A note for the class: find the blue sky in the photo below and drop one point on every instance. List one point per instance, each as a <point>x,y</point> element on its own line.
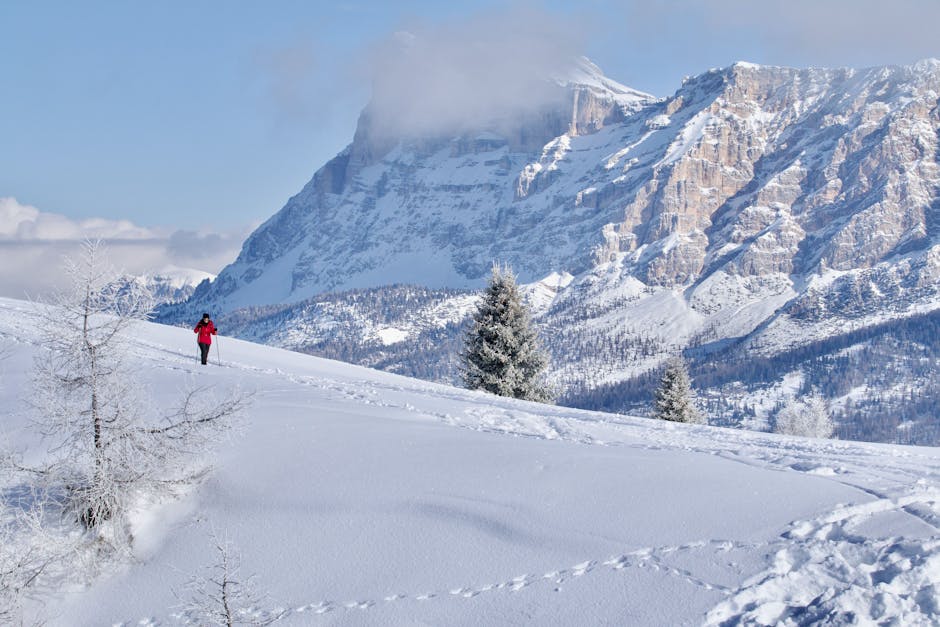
<point>207,116</point>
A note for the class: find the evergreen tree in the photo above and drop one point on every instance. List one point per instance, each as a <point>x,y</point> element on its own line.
<point>502,352</point>
<point>674,395</point>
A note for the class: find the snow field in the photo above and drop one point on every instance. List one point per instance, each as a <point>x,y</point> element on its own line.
<point>361,498</point>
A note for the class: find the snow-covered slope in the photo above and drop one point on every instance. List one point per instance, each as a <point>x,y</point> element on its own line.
<point>360,497</point>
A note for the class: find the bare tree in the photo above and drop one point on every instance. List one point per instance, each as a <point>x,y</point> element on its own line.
<point>110,445</point>
<point>19,569</point>
<point>31,557</point>
<point>21,563</point>
<point>223,595</point>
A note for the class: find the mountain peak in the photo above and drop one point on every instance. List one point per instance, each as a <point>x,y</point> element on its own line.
<point>504,189</point>
<point>931,64</point>
<point>585,73</point>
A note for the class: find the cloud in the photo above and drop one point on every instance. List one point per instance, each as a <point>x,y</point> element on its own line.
<point>27,223</point>
<point>209,250</point>
<point>433,78</point>
<point>293,78</point>
<point>33,245</point>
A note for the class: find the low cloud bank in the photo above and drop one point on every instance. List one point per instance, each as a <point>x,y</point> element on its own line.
<point>25,223</point>
<point>34,243</point>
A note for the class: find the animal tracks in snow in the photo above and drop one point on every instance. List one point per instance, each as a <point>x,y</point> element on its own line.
<point>516,584</point>
<point>649,557</point>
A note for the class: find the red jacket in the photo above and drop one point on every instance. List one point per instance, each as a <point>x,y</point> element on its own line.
<point>205,331</point>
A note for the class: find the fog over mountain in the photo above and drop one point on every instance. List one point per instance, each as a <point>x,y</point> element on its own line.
<point>451,78</point>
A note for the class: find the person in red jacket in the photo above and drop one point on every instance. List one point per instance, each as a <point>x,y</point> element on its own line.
<point>205,330</point>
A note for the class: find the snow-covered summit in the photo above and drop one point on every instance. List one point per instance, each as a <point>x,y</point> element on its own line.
<point>171,284</point>
<point>178,277</point>
<point>930,64</point>
<point>587,74</point>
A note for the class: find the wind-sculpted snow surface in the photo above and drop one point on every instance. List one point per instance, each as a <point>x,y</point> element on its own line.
<point>357,497</point>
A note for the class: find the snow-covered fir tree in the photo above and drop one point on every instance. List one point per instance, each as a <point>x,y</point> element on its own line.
<point>808,417</point>
<point>674,397</point>
<point>502,353</point>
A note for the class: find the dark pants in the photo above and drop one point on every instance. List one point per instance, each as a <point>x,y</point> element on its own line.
<point>205,352</point>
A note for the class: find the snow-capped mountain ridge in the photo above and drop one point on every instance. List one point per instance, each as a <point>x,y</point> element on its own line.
<point>170,284</point>
<point>762,204</point>
<point>719,125</point>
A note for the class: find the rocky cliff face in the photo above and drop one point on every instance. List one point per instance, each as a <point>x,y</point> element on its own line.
<point>761,206</point>
<point>747,170</point>
<point>432,210</point>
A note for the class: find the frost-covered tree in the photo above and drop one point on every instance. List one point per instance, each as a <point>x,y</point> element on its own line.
<point>21,563</point>
<point>109,444</point>
<point>808,417</point>
<point>674,397</point>
<point>32,556</point>
<point>224,596</point>
<point>502,353</point>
